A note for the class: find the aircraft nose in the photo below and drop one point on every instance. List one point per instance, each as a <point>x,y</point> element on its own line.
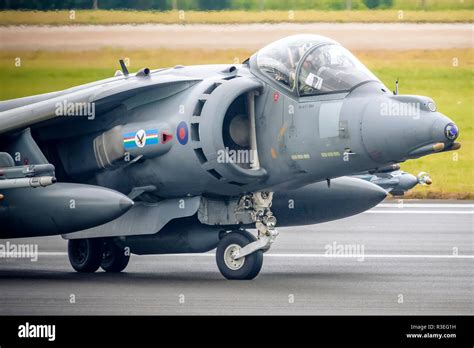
<point>409,127</point>
<point>442,136</point>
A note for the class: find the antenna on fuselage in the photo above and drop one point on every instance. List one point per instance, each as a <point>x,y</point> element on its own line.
<point>124,67</point>
<point>396,87</point>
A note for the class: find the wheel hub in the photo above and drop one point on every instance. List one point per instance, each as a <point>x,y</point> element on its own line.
<point>80,252</point>
<point>229,257</point>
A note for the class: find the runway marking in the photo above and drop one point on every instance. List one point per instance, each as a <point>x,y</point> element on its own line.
<point>424,205</point>
<point>375,256</point>
<point>52,253</point>
<point>401,211</point>
<point>394,256</point>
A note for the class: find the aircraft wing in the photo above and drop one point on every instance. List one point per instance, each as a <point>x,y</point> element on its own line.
<point>131,91</point>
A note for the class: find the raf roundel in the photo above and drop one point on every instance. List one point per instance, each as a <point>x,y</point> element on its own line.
<point>182,133</point>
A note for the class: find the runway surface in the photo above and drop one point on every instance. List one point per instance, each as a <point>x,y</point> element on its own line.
<point>389,36</point>
<point>415,258</point>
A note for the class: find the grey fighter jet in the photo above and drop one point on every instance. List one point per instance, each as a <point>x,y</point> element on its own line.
<point>187,159</point>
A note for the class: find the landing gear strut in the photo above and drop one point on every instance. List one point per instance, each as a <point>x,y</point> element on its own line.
<point>239,254</point>
<point>87,255</point>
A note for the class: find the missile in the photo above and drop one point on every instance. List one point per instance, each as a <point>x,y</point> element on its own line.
<point>26,171</point>
<point>58,209</point>
<point>39,181</point>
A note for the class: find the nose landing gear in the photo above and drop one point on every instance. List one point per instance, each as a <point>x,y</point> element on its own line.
<point>246,267</point>
<point>239,254</point>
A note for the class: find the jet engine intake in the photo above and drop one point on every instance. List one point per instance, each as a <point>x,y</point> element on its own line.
<point>223,131</point>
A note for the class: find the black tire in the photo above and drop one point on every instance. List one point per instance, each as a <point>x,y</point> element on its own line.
<point>251,265</point>
<point>115,259</point>
<point>85,255</point>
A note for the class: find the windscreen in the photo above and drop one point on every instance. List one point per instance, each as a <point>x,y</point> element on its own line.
<point>331,68</point>
<point>280,59</point>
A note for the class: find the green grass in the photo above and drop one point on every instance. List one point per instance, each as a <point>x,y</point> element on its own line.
<point>218,17</point>
<point>421,72</point>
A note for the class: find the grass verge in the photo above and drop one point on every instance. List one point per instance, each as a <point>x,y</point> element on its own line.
<point>82,17</point>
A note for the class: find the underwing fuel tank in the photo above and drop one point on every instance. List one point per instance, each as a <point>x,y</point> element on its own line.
<point>58,209</point>
<point>185,235</point>
<point>321,202</point>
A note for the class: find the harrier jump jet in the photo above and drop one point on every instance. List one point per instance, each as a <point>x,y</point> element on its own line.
<point>186,159</point>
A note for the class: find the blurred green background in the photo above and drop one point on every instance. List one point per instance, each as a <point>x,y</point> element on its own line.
<point>164,5</point>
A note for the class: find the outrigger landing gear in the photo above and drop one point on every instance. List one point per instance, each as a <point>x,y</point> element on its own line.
<point>239,254</point>
<point>87,255</point>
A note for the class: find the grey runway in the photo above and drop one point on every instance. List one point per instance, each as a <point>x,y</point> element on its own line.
<point>417,258</point>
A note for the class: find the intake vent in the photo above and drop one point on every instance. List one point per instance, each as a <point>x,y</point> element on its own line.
<point>215,174</point>
<point>195,131</point>
<point>212,87</point>
<point>198,108</point>
<point>200,155</point>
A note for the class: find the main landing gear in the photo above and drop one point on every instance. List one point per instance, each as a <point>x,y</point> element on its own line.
<point>239,254</point>
<point>87,255</point>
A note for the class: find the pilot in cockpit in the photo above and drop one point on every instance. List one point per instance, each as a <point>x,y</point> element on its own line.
<point>309,79</point>
<point>328,69</point>
<point>309,65</point>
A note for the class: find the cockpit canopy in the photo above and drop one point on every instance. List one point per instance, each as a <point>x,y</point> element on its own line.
<point>312,65</point>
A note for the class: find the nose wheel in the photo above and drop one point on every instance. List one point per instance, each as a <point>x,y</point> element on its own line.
<point>239,254</point>
<point>230,265</point>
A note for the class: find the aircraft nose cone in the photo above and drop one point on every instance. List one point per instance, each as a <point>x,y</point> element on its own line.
<point>444,129</point>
